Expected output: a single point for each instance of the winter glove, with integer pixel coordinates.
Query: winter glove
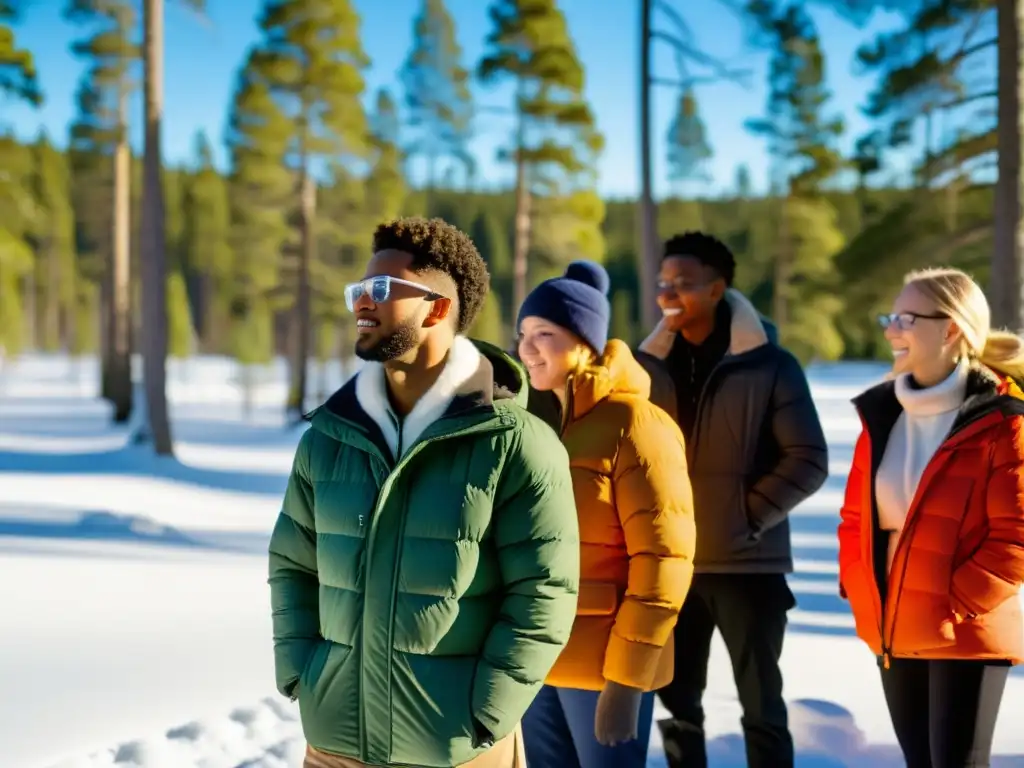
(618, 710)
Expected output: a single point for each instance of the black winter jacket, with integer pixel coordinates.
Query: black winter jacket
(757, 448)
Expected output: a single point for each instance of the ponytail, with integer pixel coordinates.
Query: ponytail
(1004, 353)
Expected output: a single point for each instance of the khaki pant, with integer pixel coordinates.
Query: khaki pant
(507, 753)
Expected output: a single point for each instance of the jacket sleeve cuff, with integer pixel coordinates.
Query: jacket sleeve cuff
(499, 700)
(630, 663)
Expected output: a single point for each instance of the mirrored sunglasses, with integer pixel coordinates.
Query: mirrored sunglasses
(379, 290)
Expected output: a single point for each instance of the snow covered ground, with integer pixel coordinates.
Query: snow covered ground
(135, 625)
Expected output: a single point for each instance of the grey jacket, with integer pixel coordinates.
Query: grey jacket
(757, 448)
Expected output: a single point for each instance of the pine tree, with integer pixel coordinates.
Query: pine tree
(385, 191)
(261, 193)
(492, 239)
(310, 58)
(688, 148)
(101, 131)
(801, 140)
(206, 251)
(18, 78)
(181, 333)
(53, 241)
(17, 209)
(437, 91)
(17, 262)
(530, 45)
(489, 325)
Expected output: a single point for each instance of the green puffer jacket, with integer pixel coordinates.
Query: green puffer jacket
(419, 605)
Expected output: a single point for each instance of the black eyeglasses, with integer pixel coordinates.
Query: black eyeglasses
(905, 320)
(378, 288)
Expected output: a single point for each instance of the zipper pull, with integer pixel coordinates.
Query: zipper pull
(885, 659)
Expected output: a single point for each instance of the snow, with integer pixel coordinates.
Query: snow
(135, 629)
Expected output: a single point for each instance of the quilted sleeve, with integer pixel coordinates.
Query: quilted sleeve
(995, 571)
(654, 502)
(294, 586)
(537, 536)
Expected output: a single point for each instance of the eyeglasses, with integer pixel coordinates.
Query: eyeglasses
(905, 320)
(679, 284)
(378, 288)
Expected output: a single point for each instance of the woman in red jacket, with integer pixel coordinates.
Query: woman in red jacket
(931, 543)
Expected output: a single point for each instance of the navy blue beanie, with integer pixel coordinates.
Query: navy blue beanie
(577, 301)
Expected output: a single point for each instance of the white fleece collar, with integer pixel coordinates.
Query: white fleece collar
(401, 434)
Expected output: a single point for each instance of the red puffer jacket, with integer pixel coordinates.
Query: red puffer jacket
(953, 588)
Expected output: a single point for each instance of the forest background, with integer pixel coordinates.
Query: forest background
(247, 256)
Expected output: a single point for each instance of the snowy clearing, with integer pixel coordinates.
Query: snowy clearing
(136, 624)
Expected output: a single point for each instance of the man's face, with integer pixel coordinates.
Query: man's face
(688, 291)
(396, 326)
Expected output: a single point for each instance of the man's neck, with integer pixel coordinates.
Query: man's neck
(409, 379)
(698, 331)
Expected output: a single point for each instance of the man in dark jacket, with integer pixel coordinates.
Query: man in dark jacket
(755, 450)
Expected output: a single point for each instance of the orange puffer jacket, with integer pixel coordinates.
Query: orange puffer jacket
(953, 588)
(636, 528)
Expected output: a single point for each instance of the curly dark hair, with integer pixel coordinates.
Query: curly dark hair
(435, 245)
(707, 249)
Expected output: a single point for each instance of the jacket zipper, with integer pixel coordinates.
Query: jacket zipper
(905, 533)
(378, 505)
(908, 526)
(691, 446)
(871, 551)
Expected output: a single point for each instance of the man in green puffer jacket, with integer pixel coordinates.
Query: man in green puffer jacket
(425, 564)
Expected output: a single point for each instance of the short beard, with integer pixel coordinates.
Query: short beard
(399, 342)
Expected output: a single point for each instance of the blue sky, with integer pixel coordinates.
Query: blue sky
(203, 56)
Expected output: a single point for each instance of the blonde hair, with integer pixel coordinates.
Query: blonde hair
(583, 359)
(960, 298)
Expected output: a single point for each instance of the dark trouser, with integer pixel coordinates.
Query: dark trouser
(944, 712)
(558, 731)
(750, 612)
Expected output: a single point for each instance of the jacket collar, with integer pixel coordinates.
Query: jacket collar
(986, 394)
(460, 368)
(615, 372)
(746, 330)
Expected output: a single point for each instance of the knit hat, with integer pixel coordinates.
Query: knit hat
(577, 301)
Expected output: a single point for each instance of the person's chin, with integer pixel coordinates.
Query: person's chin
(900, 365)
(539, 383)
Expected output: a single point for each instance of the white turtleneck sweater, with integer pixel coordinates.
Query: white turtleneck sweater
(928, 414)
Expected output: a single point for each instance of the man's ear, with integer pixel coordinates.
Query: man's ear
(439, 310)
(718, 289)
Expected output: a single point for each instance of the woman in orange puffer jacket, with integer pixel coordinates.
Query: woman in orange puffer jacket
(636, 530)
(931, 543)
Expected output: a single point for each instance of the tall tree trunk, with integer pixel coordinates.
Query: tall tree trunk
(1005, 289)
(153, 257)
(303, 308)
(647, 262)
(521, 243)
(121, 362)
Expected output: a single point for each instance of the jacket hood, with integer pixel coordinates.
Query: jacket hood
(748, 330)
(616, 372)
